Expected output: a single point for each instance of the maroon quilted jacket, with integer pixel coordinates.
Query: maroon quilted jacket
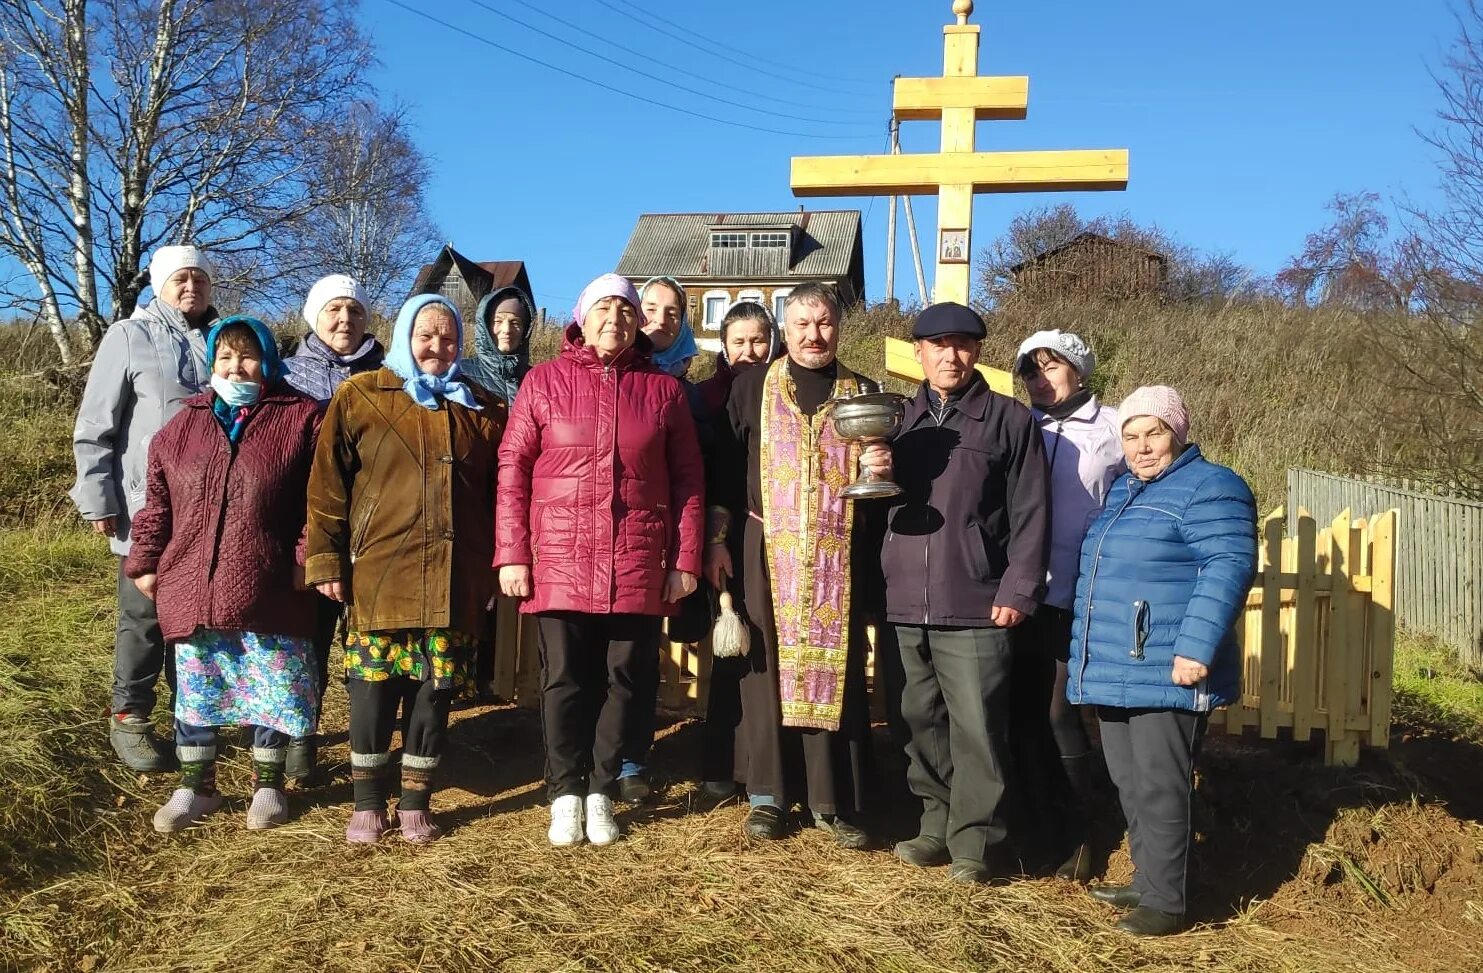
(221, 525)
(600, 483)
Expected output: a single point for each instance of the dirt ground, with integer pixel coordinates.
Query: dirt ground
(1297, 867)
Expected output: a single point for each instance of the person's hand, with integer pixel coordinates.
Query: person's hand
(146, 583)
(514, 580)
(717, 567)
(876, 459)
(1005, 617)
(1187, 672)
(678, 584)
(107, 526)
(333, 590)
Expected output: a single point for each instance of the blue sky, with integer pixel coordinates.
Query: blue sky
(1242, 120)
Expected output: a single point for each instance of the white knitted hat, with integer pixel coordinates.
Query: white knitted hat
(167, 260)
(329, 288)
(1063, 343)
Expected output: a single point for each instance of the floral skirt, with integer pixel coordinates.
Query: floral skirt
(247, 679)
(442, 655)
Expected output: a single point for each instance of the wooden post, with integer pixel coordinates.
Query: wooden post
(1382, 623)
(958, 99)
(506, 646)
(1340, 748)
(1305, 630)
(1271, 626)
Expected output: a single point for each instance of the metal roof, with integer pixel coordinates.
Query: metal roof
(483, 275)
(678, 244)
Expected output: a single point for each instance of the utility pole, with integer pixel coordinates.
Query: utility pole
(891, 232)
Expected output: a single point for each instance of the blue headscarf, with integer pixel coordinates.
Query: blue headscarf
(672, 360)
(232, 418)
(426, 390)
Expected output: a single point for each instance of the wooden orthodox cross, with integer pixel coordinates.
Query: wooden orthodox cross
(960, 98)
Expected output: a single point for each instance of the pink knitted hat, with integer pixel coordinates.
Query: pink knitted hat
(1159, 401)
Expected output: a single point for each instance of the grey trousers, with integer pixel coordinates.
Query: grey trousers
(139, 655)
(1151, 758)
(955, 703)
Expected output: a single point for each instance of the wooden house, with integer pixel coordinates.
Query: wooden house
(466, 282)
(720, 258)
(1092, 266)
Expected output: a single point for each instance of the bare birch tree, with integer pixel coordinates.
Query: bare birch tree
(129, 124)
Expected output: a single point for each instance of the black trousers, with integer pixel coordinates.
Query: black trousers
(723, 713)
(327, 613)
(599, 680)
(1051, 749)
(1151, 757)
(956, 705)
(139, 655)
(373, 717)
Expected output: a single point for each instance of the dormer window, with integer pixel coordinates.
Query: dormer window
(728, 240)
(771, 240)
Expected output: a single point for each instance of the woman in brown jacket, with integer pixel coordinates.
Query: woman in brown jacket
(401, 506)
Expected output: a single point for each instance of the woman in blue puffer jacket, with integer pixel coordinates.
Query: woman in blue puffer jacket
(1165, 570)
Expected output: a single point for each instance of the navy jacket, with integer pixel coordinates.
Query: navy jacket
(972, 526)
(1165, 570)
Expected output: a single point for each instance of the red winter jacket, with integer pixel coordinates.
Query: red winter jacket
(600, 483)
(221, 525)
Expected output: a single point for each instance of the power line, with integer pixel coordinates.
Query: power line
(645, 18)
(691, 74)
(614, 89)
(654, 77)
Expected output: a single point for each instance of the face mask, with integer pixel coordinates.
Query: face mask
(235, 394)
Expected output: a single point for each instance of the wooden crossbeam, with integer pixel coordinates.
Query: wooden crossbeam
(992, 98)
(902, 364)
(927, 173)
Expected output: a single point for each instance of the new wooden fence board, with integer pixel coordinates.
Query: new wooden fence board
(1304, 657)
(1382, 625)
(1271, 625)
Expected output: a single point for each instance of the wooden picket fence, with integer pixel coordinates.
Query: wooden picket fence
(1317, 640)
(1318, 636)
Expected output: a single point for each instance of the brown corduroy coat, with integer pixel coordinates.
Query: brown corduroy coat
(401, 506)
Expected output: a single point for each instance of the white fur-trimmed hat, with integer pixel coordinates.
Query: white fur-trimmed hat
(167, 260)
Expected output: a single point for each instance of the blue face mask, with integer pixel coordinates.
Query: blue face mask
(235, 394)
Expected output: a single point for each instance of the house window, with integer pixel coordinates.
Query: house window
(755, 296)
(771, 240)
(779, 296)
(728, 241)
(716, 303)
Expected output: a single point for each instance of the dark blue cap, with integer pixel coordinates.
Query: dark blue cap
(948, 318)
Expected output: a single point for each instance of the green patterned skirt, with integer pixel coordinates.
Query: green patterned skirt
(444, 656)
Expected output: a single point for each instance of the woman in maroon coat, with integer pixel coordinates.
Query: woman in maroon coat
(598, 527)
(218, 547)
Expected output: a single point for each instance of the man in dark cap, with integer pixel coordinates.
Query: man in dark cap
(964, 561)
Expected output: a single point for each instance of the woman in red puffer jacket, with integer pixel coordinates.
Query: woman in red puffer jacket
(598, 527)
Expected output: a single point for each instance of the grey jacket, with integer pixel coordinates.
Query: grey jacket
(145, 368)
(317, 372)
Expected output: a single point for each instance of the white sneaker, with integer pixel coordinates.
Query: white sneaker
(602, 829)
(566, 821)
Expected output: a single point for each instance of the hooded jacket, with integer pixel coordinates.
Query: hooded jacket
(497, 371)
(1165, 570)
(316, 371)
(144, 370)
(600, 483)
(222, 523)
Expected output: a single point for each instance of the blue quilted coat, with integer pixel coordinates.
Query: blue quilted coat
(1165, 570)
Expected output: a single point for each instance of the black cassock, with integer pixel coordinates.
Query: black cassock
(828, 771)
